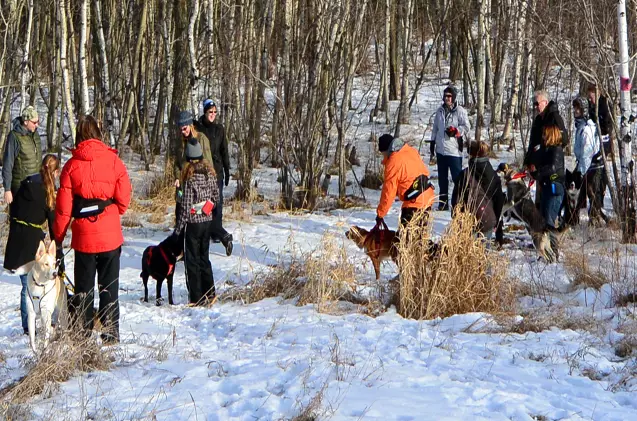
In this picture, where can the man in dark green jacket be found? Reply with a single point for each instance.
(22, 154)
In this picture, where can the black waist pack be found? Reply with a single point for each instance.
(419, 185)
(86, 208)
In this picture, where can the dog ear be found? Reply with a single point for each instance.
(41, 251)
(52, 248)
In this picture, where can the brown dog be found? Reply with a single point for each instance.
(377, 247)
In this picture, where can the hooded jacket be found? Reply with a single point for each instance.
(93, 172)
(445, 117)
(586, 145)
(22, 155)
(549, 117)
(402, 167)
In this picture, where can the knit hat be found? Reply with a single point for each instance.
(581, 103)
(193, 150)
(451, 90)
(208, 104)
(384, 142)
(29, 114)
(184, 119)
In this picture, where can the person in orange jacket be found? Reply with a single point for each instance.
(406, 176)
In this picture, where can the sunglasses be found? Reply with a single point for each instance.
(448, 96)
(212, 112)
(535, 103)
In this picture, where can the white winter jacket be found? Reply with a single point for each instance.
(586, 145)
(444, 118)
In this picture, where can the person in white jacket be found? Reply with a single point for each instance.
(590, 162)
(450, 130)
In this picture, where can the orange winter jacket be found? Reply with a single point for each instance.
(401, 169)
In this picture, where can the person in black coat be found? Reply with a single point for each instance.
(481, 170)
(548, 115)
(550, 177)
(216, 134)
(32, 206)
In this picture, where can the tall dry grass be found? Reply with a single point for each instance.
(459, 275)
(321, 276)
(68, 354)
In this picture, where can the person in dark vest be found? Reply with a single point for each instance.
(194, 221)
(22, 153)
(216, 134)
(95, 191)
(33, 205)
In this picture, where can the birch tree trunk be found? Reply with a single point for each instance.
(480, 68)
(403, 109)
(194, 70)
(105, 86)
(84, 97)
(24, 65)
(517, 68)
(66, 81)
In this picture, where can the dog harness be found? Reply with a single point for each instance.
(170, 265)
(376, 235)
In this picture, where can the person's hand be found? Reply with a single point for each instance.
(531, 168)
(452, 131)
(226, 177)
(177, 183)
(8, 197)
(379, 220)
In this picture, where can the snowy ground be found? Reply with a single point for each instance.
(271, 360)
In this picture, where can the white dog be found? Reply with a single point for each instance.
(45, 293)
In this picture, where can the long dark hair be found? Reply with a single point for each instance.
(50, 164)
(87, 128)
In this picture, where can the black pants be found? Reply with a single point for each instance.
(217, 232)
(199, 278)
(106, 265)
(593, 188)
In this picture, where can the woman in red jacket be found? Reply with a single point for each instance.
(94, 190)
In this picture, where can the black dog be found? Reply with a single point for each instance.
(159, 262)
(573, 202)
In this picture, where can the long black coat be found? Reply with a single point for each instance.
(216, 134)
(28, 207)
(550, 117)
(550, 166)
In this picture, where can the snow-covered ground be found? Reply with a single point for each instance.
(273, 360)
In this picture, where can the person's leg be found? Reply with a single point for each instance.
(443, 181)
(455, 167)
(84, 273)
(192, 249)
(217, 232)
(108, 283)
(207, 277)
(23, 303)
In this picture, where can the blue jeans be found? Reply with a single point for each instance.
(551, 199)
(447, 163)
(23, 302)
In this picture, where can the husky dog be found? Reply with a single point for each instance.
(519, 206)
(46, 293)
(572, 203)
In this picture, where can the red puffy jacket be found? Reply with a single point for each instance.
(93, 172)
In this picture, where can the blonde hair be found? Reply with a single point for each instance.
(552, 136)
(50, 164)
(193, 132)
(478, 149)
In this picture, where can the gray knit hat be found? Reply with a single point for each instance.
(184, 119)
(193, 150)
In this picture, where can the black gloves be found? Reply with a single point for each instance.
(226, 177)
(379, 220)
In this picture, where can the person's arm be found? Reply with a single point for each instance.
(560, 123)
(123, 187)
(186, 205)
(605, 121)
(11, 150)
(63, 206)
(223, 151)
(390, 186)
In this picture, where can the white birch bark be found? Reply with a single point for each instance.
(194, 71)
(84, 99)
(66, 80)
(106, 75)
(480, 76)
(625, 156)
(24, 65)
(517, 69)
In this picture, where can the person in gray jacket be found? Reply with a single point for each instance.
(451, 125)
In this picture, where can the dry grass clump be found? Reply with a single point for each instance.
(321, 276)
(70, 353)
(459, 275)
(541, 319)
(578, 267)
(131, 220)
